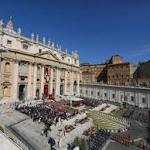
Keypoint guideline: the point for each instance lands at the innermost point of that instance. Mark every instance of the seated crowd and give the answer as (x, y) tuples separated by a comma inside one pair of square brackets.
[(135, 113), (92, 102), (40, 113), (47, 115), (123, 138), (98, 139)]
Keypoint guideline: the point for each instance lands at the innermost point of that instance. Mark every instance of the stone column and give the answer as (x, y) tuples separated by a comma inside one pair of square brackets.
[(0, 78), (57, 81), (71, 83), (42, 81), (15, 82), (29, 86), (148, 99), (51, 81), (34, 80), (65, 84), (78, 84), (136, 98)]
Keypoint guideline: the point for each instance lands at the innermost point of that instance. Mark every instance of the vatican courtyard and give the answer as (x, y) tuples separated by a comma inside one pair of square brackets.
[(74, 123)]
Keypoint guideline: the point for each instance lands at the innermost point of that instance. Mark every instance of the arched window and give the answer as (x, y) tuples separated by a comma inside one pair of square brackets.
[(7, 67), (75, 86), (6, 91)]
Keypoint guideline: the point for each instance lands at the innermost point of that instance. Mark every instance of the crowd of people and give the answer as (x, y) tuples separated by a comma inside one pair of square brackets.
[(143, 145), (49, 116), (123, 138), (134, 113), (44, 114), (41, 113), (92, 102), (98, 139)]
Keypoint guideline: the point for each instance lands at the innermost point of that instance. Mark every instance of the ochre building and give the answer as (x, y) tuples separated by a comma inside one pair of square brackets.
[(115, 71), (142, 74)]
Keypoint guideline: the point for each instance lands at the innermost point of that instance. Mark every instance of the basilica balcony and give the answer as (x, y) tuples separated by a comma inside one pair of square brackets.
[(25, 74)]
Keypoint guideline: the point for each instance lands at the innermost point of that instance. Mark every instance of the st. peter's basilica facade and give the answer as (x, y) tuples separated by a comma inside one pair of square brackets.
[(31, 69)]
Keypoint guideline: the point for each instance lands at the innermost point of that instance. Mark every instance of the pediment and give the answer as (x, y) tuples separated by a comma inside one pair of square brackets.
[(49, 55)]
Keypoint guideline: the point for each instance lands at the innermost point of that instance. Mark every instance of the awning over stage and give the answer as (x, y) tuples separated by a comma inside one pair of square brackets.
[(73, 98)]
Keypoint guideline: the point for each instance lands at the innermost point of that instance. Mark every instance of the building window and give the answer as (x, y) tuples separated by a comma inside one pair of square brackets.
[(91, 92), (86, 92), (143, 100), (125, 98), (105, 94), (22, 78), (81, 91), (9, 42), (6, 91), (113, 95), (7, 67), (97, 93), (121, 97), (132, 98), (25, 46), (40, 50), (75, 61)]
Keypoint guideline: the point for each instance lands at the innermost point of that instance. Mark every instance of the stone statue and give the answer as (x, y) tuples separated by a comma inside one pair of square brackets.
[(19, 31), (66, 50), (32, 36), (49, 42), (53, 45), (60, 47), (37, 38), (44, 40), (1, 24), (57, 46), (9, 25)]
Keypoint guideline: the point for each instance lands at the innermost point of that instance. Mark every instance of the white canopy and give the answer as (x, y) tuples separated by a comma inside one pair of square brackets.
[(73, 98)]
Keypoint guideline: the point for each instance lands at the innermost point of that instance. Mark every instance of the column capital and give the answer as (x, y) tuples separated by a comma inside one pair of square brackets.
[(16, 61), (34, 63)]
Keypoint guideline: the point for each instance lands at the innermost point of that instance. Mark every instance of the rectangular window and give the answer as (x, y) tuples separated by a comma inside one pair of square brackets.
[(105, 94), (143, 100), (113, 95), (132, 98), (97, 93), (125, 98), (40, 50), (75, 61), (25, 46), (9, 42), (86, 92), (91, 92)]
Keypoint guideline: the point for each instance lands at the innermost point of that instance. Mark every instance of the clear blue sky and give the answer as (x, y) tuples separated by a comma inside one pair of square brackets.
[(96, 28)]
